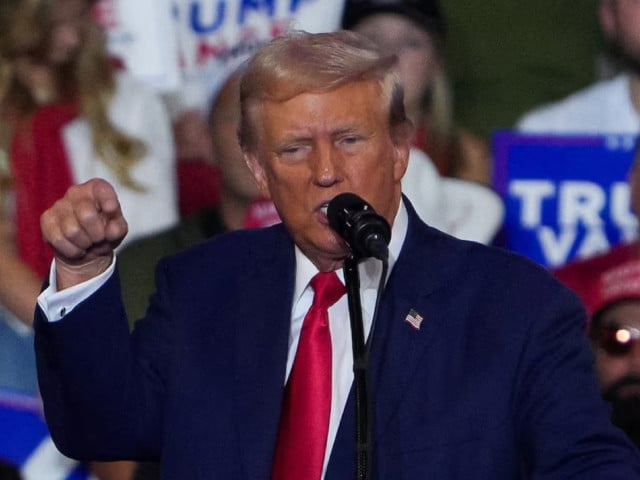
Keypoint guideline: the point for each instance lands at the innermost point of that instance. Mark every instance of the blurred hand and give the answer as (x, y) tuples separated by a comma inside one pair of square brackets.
[(84, 228)]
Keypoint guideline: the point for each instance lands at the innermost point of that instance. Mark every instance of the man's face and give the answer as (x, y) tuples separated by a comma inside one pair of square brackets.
[(615, 358), (618, 364), (316, 145)]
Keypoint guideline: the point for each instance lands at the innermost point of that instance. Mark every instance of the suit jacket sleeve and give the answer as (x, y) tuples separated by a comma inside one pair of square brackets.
[(101, 388)]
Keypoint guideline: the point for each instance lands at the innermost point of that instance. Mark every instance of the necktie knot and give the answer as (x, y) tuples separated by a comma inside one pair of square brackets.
[(327, 289)]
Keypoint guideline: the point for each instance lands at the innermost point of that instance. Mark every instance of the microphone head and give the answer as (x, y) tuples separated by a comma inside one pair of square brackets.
[(365, 231)]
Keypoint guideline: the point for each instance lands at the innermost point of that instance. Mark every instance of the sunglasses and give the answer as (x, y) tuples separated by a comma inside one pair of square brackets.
[(617, 340)]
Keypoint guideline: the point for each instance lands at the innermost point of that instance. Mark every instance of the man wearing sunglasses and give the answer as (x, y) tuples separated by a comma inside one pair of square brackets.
[(609, 286)]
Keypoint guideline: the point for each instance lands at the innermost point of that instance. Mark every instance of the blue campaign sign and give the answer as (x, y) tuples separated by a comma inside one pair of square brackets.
[(565, 196)]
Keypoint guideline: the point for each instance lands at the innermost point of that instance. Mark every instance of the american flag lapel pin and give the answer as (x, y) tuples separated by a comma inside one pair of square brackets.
[(414, 319)]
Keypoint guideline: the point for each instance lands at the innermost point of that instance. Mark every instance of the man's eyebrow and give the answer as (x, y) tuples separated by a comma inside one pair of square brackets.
[(295, 137), (352, 128)]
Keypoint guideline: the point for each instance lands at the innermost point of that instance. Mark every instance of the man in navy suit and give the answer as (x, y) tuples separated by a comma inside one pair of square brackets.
[(479, 364)]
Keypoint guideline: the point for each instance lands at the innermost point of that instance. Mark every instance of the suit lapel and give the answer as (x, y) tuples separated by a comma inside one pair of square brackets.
[(398, 346), (261, 353)]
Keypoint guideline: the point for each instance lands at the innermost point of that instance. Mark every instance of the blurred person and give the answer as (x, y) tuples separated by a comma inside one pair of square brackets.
[(609, 106), (415, 30), (614, 335), (465, 363), (609, 286), (239, 205), (68, 112)]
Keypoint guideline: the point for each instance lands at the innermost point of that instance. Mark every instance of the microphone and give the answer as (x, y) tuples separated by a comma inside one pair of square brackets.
[(365, 231)]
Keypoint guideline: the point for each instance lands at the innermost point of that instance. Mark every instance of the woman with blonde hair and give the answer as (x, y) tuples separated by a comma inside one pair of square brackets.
[(448, 175), (69, 113), (415, 31)]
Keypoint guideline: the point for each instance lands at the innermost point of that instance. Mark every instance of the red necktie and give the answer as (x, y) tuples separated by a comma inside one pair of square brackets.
[(304, 422)]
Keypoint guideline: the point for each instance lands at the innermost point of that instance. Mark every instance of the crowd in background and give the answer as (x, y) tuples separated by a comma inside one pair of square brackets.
[(71, 110)]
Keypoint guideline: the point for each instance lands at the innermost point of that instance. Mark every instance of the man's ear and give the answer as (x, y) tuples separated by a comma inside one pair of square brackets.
[(259, 175), (401, 147)]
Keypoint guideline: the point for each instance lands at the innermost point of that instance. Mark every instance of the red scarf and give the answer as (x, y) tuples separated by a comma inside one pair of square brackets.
[(41, 174)]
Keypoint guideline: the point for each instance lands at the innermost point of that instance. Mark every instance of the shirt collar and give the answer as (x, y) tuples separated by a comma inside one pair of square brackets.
[(370, 269)]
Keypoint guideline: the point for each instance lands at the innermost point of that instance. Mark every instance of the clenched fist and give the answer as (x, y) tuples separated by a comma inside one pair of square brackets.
[(84, 227)]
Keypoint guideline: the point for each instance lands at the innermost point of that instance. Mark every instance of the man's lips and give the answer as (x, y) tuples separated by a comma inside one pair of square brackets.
[(321, 211)]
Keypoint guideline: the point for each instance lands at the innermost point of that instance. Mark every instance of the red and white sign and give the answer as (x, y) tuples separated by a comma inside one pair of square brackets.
[(180, 45)]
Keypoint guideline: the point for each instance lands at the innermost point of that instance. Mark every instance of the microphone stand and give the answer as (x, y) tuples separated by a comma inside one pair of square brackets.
[(361, 350)]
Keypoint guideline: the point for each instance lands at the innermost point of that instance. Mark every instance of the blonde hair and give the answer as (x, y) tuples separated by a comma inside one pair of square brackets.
[(88, 79), (300, 62)]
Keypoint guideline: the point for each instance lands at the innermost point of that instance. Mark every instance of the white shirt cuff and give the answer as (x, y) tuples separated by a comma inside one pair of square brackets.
[(56, 305)]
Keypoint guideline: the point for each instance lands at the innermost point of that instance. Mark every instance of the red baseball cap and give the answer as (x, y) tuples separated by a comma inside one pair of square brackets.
[(605, 279)]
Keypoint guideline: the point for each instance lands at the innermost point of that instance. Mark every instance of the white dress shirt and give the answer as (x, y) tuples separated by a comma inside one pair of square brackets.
[(57, 304)]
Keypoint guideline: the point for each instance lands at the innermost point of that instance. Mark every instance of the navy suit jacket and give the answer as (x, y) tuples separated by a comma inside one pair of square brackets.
[(497, 383)]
